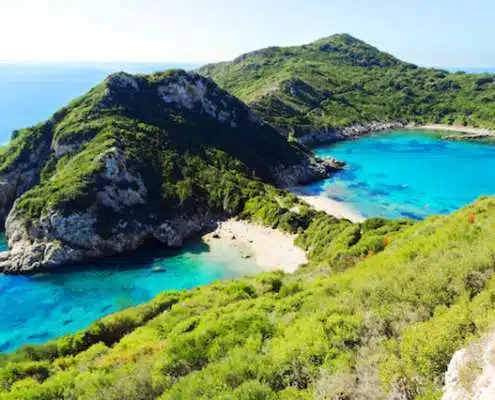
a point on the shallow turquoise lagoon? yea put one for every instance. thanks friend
(409, 174)
(34, 309)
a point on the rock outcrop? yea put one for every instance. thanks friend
(349, 132)
(126, 164)
(471, 372)
(311, 169)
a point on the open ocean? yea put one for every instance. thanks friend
(31, 93)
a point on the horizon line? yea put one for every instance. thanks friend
(192, 63)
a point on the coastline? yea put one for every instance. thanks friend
(454, 128)
(320, 138)
(350, 132)
(271, 249)
(335, 208)
(459, 132)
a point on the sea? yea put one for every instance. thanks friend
(396, 174)
(408, 174)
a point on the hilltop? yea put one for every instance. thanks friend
(138, 158)
(340, 81)
(377, 312)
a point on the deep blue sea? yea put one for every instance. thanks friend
(31, 93)
(409, 174)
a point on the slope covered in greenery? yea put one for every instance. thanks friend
(138, 158)
(166, 142)
(340, 80)
(379, 310)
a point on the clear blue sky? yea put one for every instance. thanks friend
(444, 33)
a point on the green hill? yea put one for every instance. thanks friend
(138, 158)
(339, 81)
(378, 312)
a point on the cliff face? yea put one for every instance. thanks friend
(157, 157)
(471, 373)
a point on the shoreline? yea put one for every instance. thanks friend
(271, 249)
(355, 131)
(454, 128)
(332, 207)
(459, 132)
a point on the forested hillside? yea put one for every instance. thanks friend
(338, 81)
(379, 310)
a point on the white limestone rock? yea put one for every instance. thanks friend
(349, 132)
(471, 372)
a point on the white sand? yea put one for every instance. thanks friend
(454, 128)
(271, 249)
(332, 207)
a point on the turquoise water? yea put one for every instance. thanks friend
(409, 174)
(34, 309)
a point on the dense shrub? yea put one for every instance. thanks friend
(340, 80)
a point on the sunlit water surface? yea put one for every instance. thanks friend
(34, 309)
(409, 174)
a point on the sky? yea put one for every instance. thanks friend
(441, 33)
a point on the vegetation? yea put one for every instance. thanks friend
(379, 309)
(188, 159)
(377, 312)
(339, 80)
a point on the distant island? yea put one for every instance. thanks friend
(378, 307)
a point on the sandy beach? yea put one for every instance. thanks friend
(455, 128)
(332, 207)
(271, 249)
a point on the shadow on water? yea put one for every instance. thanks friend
(140, 259)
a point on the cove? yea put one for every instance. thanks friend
(37, 308)
(411, 174)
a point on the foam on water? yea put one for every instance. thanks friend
(409, 174)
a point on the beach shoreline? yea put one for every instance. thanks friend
(271, 249)
(332, 207)
(454, 128)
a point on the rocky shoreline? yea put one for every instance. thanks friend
(354, 131)
(350, 132)
(56, 239)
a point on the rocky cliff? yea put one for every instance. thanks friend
(471, 373)
(138, 158)
(350, 132)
